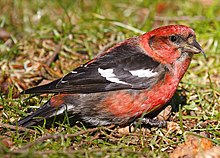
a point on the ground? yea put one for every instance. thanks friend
(42, 40)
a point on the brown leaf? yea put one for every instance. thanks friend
(173, 127)
(4, 35)
(165, 114)
(212, 153)
(7, 142)
(5, 84)
(191, 147)
(125, 130)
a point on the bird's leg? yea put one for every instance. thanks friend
(153, 122)
(148, 122)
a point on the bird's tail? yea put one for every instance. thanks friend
(44, 112)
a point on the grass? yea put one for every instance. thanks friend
(83, 28)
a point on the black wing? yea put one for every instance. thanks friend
(125, 66)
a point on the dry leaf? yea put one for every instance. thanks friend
(191, 147)
(173, 127)
(4, 35)
(165, 114)
(7, 142)
(125, 130)
(211, 153)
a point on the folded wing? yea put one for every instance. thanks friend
(125, 66)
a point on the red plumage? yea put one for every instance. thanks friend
(139, 75)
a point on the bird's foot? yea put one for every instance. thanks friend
(148, 122)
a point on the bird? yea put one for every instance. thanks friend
(135, 77)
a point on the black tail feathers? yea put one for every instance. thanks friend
(44, 112)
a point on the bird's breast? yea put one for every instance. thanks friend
(133, 103)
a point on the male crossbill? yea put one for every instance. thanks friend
(139, 75)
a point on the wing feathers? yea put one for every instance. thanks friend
(126, 66)
(47, 88)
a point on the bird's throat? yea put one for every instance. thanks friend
(181, 65)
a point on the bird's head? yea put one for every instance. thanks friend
(167, 44)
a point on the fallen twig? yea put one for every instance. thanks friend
(71, 151)
(21, 129)
(54, 55)
(90, 141)
(58, 136)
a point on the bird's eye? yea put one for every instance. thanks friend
(173, 38)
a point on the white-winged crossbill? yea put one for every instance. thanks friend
(139, 75)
